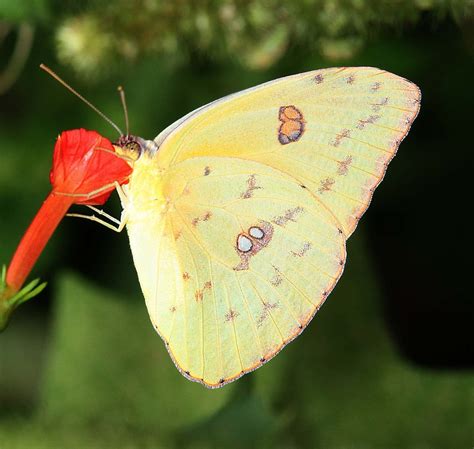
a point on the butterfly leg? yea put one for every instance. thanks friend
(121, 192)
(123, 200)
(120, 223)
(117, 228)
(122, 195)
(105, 214)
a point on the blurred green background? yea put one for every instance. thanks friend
(388, 361)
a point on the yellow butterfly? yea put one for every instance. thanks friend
(238, 213)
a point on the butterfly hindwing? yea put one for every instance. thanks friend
(247, 256)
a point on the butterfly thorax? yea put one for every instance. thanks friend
(145, 197)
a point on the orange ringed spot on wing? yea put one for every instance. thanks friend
(292, 124)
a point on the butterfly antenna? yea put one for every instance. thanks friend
(124, 106)
(77, 94)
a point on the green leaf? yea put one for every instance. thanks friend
(10, 300)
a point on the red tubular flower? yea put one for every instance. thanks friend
(84, 171)
(84, 164)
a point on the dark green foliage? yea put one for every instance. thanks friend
(257, 33)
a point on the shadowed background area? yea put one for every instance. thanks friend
(387, 362)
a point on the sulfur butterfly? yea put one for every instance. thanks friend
(238, 213)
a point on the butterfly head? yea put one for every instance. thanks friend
(130, 147)
(133, 147)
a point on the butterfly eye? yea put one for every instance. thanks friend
(129, 146)
(244, 244)
(133, 147)
(256, 232)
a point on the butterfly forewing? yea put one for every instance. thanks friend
(334, 130)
